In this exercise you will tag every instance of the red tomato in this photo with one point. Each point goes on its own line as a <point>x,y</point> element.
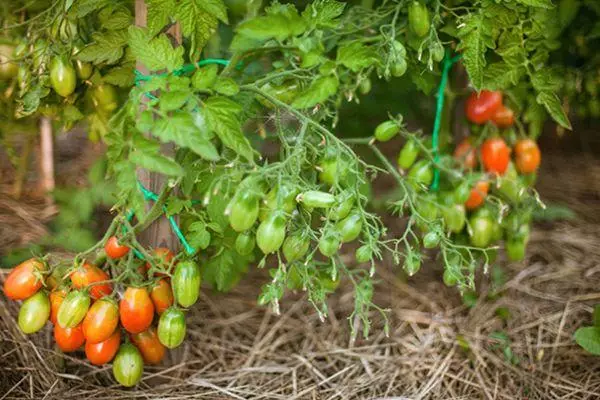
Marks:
<point>87,274</point>
<point>103,352</point>
<point>148,344</point>
<point>478,195</point>
<point>165,256</point>
<point>68,339</point>
<point>527,155</point>
<point>56,299</point>
<point>24,280</point>
<point>162,296</point>
<point>136,310</point>
<point>101,320</point>
<point>114,249</point>
<point>480,108</point>
<point>495,155</point>
<point>504,117</point>
<point>465,153</point>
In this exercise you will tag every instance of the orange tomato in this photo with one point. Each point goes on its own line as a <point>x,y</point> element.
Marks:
<point>68,339</point>
<point>103,352</point>
<point>148,344</point>
<point>479,108</point>
<point>162,295</point>
<point>495,155</point>
<point>465,153</point>
<point>87,274</point>
<point>136,310</point>
<point>101,320</point>
<point>478,195</point>
<point>113,249</point>
<point>528,156</point>
<point>56,298</point>
<point>24,280</point>
<point>504,117</point>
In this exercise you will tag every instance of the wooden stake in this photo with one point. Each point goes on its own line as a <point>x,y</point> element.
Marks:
<point>46,157</point>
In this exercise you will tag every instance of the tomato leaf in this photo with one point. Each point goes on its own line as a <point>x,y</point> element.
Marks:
<point>122,76</point>
<point>181,129</point>
<point>356,56</point>
<point>205,77</point>
<point>537,3</point>
<point>323,13</point>
<point>226,86</point>
<point>589,338</point>
<point>159,13</point>
<point>319,91</point>
<point>106,48</point>
<point>173,100</point>
<point>476,39</point>
<point>552,103</point>
<point>281,22</point>
<point>156,162</point>
<point>155,54</point>
<point>197,22</point>
<point>224,270</point>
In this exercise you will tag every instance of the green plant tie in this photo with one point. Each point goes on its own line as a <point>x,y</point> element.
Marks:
<point>447,63</point>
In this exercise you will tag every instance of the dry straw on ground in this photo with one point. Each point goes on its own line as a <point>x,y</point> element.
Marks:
<point>236,350</point>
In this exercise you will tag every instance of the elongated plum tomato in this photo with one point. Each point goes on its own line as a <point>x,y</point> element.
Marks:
<point>103,352</point>
<point>408,154</point>
<point>418,18</point>
<point>171,328</point>
<point>527,156</point>
<point>56,298</point>
<point>504,117</point>
<point>24,280</point>
<point>495,155</point>
<point>243,211</point>
<point>8,68</point>
<point>465,154</point>
<point>162,296</point>
<point>478,195</point>
<point>136,310</point>
<point>128,365</point>
<point>73,309</point>
<point>163,257</point>
<point>271,233</point>
<point>153,351</point>
<point>186,283</point>
<point>101,320</point>
<point>113,249</point>
<point>481,107</point>
<point>62,76</point>
<point>386,130</point>
<point>88,274</point>
<point>68,339</point>
<point>34,313</point>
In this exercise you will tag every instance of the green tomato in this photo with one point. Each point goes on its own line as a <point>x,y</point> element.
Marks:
<point>329,243</point>
<point>399,68</point>
<point>428,209</point>
<point>243,211</point>
<point>421,173</point>
<point>295,247</point>
<point>437,51</point>
<point>510,186</point>
<point>431,240</point>
<point>62,76</point>
<point>128,365</point>
<point>8,68</point>
<point>386,131</point>
<point>83,69</point>
<point>105,98</point>
<point>327,283</point>
<point>449,278</point>
<point>331,172</point>
<point>34,313</point>
<point>412,263</point>
<point>350,227</point>
<point>482,229</point>
<point>462,192</point>
<point>40,48</point>
<point>244,243</point>
<point>279,198</point>
<point>316,199</point>
<point>418,19</point>
<point>73,309</point>
<point>271,233</point>
<point>408,155</point>
<point>343,207</point>
<point>454,217</point>
<point>515,249</point>
<point>171,328</point>
<point>363,254</point>
<point>23,77</point>
<point>364,87</point>
<point>186,283</point>
<point>294,277</point>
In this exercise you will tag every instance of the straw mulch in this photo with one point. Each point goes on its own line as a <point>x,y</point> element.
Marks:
<point>237,350</point>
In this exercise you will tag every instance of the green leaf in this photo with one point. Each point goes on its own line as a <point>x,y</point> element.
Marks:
<point>156,163</point>
<point>71,113</point>
<point>159,14</point>
<point>475,40</point>
<point>356,56</point>
<point>221,114</point>
<point>198,236</point>
<point>226,86</point>
<point>121,76</point>
<point>225,270</point>
<point>548,80</point>
<point>106,47</point>
<point>205,77</point>
<point>319,91</point>
<point>173,100</point>
<point>552,103</point>
<point>197,23</point>
<point>280,24</point>
<point>500,75</point>
<point>323,13</point>
<point>155,54</point>
<point>181,129</point>
<point>120,19</point>
<point>537,3</point>
<point>215,8</point>
<point>589,338</point>
<point>31,101</point>
<point>85,7</point>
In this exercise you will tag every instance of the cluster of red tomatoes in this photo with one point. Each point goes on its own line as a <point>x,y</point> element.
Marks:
<point>93,307</point>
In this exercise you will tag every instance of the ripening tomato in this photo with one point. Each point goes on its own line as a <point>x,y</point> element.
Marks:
<point>103,352</point>
<point>101,320</point>
<point>162,296</point>
<point>495,155</point>
<point>504,117</point>
<point>481,108</point>
<point>62,76</point>
<point>153,351</point>
<point>34,313</point>
<point>115,250</point>
<point>527,155</point>
<point>136,310</point>
<point>171,328</point>
<point>128,365</point>
<point>69,339</point>
<point>465,154</point>
<point>88,274</point>
<point>73,309</point>
<point>186,283</point>
<point>478,195</point>
<point>56,299</point>
<point>24,280</point>
<point>164,256</point>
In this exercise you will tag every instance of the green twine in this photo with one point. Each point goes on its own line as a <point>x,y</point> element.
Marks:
<point>447,64</point>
